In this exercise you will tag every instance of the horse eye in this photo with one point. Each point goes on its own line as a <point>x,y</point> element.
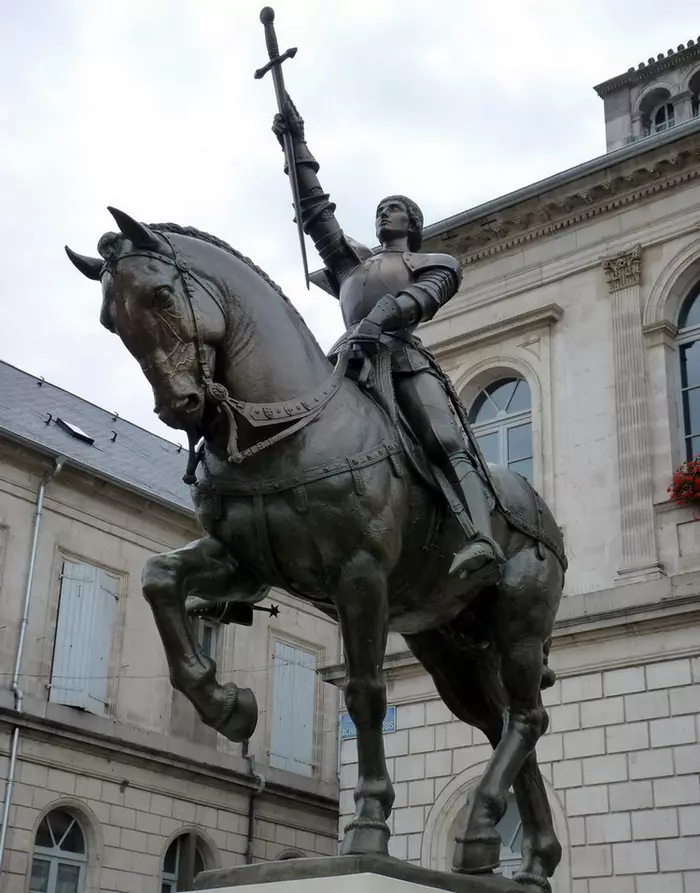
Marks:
<point>163,296</point>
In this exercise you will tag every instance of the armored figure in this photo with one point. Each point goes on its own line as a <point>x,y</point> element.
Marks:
<point>384,295</point>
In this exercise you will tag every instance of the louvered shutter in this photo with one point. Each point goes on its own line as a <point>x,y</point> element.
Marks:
<point>83,637</point>
<point>294,709</point>
<point>101,643</point>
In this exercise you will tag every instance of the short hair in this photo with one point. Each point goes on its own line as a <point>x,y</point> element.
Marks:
<point>415,220</point>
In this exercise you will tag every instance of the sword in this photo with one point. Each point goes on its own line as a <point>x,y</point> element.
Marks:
<point>267,17</point>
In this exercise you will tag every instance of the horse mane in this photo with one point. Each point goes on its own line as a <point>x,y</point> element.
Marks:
<point>194,233</point>
<point>106,249</point>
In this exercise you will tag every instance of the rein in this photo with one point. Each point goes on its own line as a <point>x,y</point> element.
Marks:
<point>300,411</point>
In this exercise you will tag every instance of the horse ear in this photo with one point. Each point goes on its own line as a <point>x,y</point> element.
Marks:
<point>137,232</point>
<point>88,266</point>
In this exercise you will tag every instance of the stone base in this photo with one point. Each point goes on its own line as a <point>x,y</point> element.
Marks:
<point>349,874</point>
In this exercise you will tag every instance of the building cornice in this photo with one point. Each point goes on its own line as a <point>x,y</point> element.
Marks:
<point>116,748</point>
<point>684,55</point>
<point>592,189</point>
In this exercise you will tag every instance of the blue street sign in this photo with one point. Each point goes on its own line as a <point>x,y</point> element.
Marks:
<point>348,730</point>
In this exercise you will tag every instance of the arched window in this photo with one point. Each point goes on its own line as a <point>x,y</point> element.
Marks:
<point>60,855</point>
<point>501,417</point>
<point>183,861</point>
<point>689,351</point>
<point>694,88</point>
<point>663,117</point>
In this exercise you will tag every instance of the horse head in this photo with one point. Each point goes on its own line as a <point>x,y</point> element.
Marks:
<point>168,313</point>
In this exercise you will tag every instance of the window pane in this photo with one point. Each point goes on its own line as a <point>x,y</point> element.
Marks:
<point>520,401</point>
<point>690,364</point>
<point>43,835</point>
<point>489,447</point>
<point>39,881</point>
<point>520,442</point>
<point>67,878</point>
<point>510,828</point>
<point>690,314</point>
<point>59,822</point>
<point>73,842</point>
<point>483,410</point>
<point>523,467</point>
<point>170,861</point>
<point>206,642</point>
<point>691,411</point>
<point>501,391</point>
<point>692,447</point>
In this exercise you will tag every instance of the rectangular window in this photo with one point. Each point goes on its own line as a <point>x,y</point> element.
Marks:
<point>294,710</point>
<point>206,632</point>
<point>86,611</point>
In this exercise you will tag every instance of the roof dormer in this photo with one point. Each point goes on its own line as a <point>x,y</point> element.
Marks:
<point>653,97</point>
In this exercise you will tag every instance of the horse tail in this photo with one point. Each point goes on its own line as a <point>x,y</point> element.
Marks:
<point>549,677</point>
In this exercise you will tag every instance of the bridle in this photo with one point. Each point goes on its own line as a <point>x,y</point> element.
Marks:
<point>298,411</point>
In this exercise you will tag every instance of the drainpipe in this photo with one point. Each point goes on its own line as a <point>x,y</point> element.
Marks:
<point>16,690</point>
<point>251,803</point>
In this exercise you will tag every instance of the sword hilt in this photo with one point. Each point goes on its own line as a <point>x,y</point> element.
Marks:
<point>267,17</point>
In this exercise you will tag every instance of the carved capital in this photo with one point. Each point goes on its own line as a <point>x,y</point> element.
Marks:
<point>624,270</point>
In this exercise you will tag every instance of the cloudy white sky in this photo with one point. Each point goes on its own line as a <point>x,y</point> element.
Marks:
<point>150,105</point>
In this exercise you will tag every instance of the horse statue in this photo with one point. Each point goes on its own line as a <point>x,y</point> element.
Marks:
<point>300,481</point>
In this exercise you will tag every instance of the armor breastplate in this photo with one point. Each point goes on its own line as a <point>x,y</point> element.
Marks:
<point>378,275</point>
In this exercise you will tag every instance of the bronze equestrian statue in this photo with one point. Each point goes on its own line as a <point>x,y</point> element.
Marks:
<point>347,482</point>
<point>303,481</point>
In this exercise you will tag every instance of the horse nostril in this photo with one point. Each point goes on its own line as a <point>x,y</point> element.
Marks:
<point>192,402</point>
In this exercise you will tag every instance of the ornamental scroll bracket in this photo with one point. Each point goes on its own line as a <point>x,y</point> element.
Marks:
<point>624,270</point>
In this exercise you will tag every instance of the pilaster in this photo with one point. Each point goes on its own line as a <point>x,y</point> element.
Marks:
<point>639,553</point>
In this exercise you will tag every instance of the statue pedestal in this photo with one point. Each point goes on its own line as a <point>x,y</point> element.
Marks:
<point>346,874</point>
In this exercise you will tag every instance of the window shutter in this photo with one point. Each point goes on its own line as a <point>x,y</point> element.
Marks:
<point>101,641</point>
<point>83,637</point>
<point>294,711</point>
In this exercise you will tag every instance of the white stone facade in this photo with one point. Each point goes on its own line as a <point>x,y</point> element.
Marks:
<point>576,286</point>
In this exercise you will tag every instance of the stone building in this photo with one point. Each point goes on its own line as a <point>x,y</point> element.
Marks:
<point>118,787</point>
<point>574,342</point>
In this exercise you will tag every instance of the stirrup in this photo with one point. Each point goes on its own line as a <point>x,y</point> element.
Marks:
<point>490,570</point>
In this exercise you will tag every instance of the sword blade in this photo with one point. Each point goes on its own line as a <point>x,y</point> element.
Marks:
<point>267,17</point>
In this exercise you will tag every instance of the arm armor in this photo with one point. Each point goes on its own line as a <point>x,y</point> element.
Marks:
<point>318,215</point>
<point>417,303</point>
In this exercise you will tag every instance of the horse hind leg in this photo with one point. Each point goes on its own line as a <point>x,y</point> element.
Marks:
<point>527,595</point>
<point>167,579</point>
<point>541,848</point>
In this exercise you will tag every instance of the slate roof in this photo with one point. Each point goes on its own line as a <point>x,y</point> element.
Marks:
<point>136,459</point>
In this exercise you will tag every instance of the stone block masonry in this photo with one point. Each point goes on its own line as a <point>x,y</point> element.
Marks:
<point>623,755</point>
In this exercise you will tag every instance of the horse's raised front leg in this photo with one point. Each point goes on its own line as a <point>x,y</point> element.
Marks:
<point>202,567</point>
<point>361,601</point>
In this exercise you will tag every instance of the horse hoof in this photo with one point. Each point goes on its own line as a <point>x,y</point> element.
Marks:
<point>477,855</point>
<point>364,836</point>
<point>239,715</point>
<point>533,883</point>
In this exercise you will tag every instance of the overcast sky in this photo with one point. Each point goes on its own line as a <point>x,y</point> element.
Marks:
<point>150,105</point>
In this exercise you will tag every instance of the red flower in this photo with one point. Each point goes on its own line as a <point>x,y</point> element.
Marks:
<point>685,488</point>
